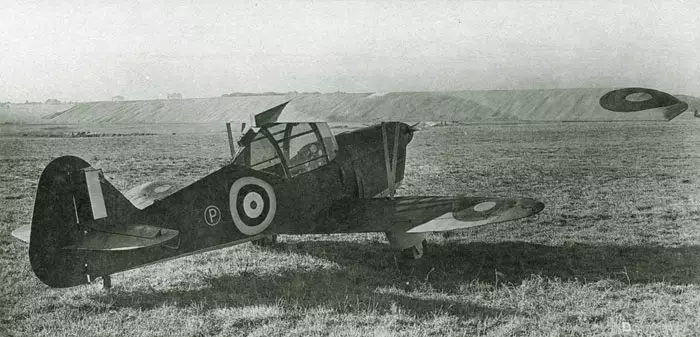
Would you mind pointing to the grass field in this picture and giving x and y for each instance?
(616, 252)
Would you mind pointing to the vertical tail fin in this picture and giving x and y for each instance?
(70, 196)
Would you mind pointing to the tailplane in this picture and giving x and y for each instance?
(76, 212)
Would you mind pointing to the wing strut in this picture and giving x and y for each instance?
(390, 163)
(231, 144)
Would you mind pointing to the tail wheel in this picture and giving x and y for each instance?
(416, 252)
(266, 241)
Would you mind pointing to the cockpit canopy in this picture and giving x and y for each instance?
(287, 149)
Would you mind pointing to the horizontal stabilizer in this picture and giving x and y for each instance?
(141, 231)
(425, 214)
(23, 233)
(124, 238)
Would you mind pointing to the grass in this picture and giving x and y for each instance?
(614, 253)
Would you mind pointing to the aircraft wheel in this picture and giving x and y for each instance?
(266, 241)
(416, 252)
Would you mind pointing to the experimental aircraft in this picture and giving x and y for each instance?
(285, 178)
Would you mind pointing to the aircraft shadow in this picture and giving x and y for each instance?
(344, 291)
(371, 278)
(453, 263)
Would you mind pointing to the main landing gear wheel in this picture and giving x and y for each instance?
(266, 241)
(416, 252)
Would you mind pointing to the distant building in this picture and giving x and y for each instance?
(117, 98)
(52, 101)
(175, 95)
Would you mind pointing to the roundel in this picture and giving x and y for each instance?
(638, 99)
(484, 206)
(253, 204)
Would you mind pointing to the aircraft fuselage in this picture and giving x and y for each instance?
(232, 205)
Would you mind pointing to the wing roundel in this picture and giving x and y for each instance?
(253, 205)
(641, 99)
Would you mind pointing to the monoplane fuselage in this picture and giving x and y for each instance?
(232, 205)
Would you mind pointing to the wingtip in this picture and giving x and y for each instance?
(643, 99)
(538, 207)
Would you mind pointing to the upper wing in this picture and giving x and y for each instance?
(658, 104)
(474, 106)
(423, 214)
(145, 194)
(588, 104)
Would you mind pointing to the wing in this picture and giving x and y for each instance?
(474, 106)
(652, 102)
(145, 194)
(424, 214)
(592, 104)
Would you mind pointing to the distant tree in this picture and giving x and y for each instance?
(52, 101)
(117, 98)
(175, 95)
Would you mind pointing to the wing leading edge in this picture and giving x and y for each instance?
(425, 214)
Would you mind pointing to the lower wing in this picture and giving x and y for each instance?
(424, 214)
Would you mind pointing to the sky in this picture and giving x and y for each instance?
(92, 50)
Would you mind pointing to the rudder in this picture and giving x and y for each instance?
(63, 208)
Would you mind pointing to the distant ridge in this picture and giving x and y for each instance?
(461, 106)
(693, 105)
(193, 110)
(29, 113)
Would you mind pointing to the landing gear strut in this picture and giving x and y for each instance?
(411, 246)
(106, 282)
(416, 252)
